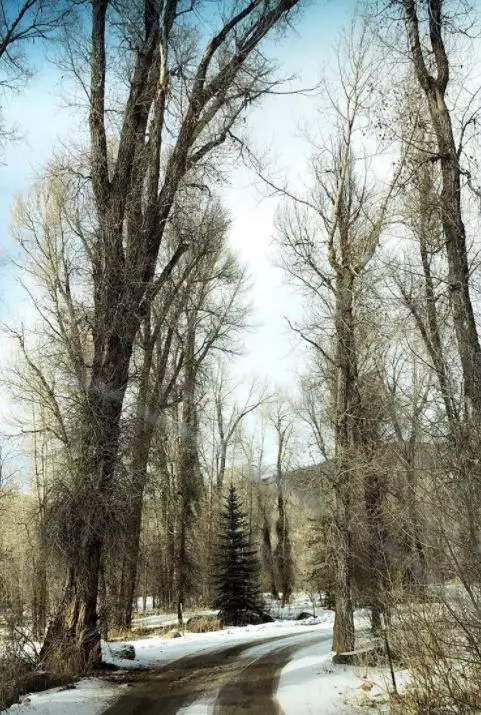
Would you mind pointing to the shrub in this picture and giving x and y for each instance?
(205, 625)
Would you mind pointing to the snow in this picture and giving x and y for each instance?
(310, 680)
(88, 697)
(92, 696)
(205, 704)
(156, 651)
(309, 683)
(301, 603)
(167, 619)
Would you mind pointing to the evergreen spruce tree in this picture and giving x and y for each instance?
(237, 579)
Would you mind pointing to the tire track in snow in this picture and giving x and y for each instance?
(192, 681)
(253, 688)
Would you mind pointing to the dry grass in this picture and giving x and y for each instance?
(124, 634)
(205, 625)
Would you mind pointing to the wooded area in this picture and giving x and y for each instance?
(133, 426)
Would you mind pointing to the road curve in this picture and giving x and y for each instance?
(245, 678)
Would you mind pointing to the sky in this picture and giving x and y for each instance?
(43, 122)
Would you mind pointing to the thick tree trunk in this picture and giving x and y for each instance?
(343, 635)
(455, 235)
(189, 476)
(129, 568)
(72, 642)
(347, 410)
(417, 547)
(73, 635)
(378, 567)
(267, 555)
(284, 552)
(141, 445)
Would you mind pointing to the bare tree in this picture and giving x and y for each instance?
(229, 420)
(135, 186)
(352, 214)
(427, 21)
(282, 423)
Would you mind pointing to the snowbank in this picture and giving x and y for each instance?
(88, 697)
(310, 683)
(157, 651)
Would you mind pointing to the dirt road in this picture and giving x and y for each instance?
(239, 679)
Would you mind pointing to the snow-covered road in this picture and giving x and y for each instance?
(276, 668)
(228, 681)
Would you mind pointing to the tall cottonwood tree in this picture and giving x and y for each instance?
(425, 290)
(328, 240)
(136, 176)
(426, 26)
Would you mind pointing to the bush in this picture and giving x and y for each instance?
(20, 683)
(440, 644)
(12, 671)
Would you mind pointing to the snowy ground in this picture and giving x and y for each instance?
(311, 684)
(157, 651)
(308, 684)
(303, 603)
(89, 697)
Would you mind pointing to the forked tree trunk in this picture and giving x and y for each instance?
(72, 642)
(434, 88)
(134, 194)
(433, 75)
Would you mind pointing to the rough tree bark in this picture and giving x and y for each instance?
(155, 388)
(267, 554)
(347, 406)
